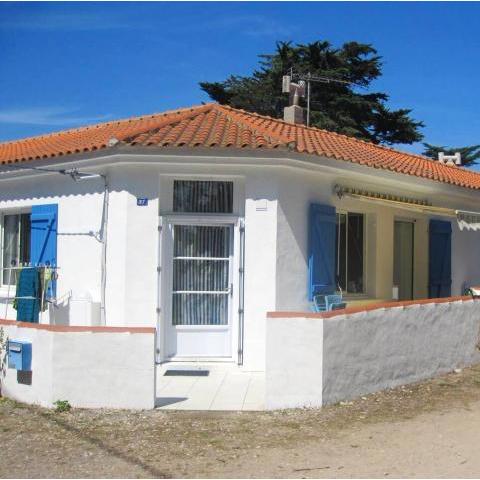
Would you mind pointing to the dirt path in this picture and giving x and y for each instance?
(427, 430)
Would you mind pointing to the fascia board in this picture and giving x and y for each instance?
(341, 170)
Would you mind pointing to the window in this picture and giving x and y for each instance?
(349, 252)
(202, 196)
(16, 244)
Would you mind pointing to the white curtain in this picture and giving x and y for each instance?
(202, 196)
(200, 275)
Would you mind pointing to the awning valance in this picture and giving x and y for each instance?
(466, 220)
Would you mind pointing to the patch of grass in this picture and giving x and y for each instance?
(62, 406)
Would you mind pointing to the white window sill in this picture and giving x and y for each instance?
(357, 296)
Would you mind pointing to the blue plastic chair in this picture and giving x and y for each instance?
(319, 304)
(333, 302)
(326, 302)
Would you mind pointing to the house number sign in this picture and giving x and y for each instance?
(142, 202)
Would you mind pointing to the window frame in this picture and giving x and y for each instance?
(365, 252)
(3, 214)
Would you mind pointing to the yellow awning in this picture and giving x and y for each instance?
(466, 219)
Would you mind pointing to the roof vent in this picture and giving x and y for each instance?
(293, 113)
(112, 142)
(450, 160)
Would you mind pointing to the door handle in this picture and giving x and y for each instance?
(229, 289)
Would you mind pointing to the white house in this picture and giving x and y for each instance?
(198, 222)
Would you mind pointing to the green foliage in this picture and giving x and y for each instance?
(62, 406)
(470, 155)
(335, 107)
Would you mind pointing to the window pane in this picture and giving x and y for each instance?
(202, 196)
(25, 238)
(355, 253)
(16, 244)
(340, 253)
(10, 247)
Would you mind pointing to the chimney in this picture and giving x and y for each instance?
(294, 112)
(450, 160)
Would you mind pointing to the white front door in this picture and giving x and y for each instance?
(198, 310)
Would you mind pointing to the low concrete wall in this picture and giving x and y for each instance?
(360, 352)
(91, 367)
(294, 358)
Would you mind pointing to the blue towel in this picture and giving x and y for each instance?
(28, 286)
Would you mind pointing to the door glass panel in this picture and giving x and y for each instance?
(403, 259)
(200, 275)
(349, 253)
(201, 241)
(355, 253)
(201, 266)
(341, 249)
(200, 309)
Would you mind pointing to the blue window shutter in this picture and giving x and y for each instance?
(43, 238)
(440, 259)
(321, 250)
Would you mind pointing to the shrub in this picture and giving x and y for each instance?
(62, 406)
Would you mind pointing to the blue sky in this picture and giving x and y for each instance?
(68, 64)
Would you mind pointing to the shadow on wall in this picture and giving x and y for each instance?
(60, 313)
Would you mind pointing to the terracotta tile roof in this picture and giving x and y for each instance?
(219, 126)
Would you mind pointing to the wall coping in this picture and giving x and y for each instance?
(368, 308)
(76, 329)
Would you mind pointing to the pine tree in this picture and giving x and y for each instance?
(336, 107)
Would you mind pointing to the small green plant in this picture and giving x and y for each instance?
(62, 406)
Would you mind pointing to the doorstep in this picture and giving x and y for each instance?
(209, 386)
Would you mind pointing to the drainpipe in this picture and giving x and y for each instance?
(103, 238)
(79, 176)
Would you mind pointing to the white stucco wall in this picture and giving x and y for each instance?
(274, 202)
(78, 253)
(298, 189)
(132, 252)
(101, 368)
(384, 348)
(294, 363)
(313, 361)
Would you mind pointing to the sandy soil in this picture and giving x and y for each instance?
(426, 430)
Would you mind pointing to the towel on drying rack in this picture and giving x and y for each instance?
(28, 285)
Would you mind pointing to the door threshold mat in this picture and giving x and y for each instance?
(186, 373)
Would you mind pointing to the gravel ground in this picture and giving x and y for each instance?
(425, 430)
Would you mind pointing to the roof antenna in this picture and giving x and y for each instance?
(298, 88)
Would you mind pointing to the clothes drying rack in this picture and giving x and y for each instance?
(14, 270)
